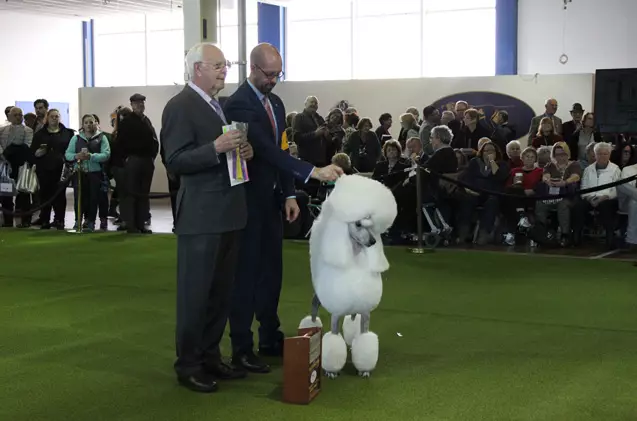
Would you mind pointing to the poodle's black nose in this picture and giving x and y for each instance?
(371, 242)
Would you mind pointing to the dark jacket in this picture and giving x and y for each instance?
(395, 177)
(137, 137)
(312, 148)
(56, 145)
(363, 152)
(479, 180)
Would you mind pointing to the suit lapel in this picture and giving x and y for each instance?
(203, 104)
(261, 109)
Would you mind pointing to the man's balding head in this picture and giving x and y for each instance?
(266, 67)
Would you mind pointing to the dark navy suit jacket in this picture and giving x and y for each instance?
(271, 166)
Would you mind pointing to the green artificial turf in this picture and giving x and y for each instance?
(87, 333)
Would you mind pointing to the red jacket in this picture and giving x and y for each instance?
(530, 180)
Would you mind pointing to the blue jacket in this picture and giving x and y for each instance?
(98, 147)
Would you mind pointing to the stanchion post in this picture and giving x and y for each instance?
(79, 197)
(419, 249)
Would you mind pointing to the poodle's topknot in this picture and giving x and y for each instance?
(356, 197)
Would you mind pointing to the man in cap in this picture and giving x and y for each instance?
(575, 124)
(139, 146)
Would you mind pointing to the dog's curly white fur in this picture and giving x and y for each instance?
(347, 260)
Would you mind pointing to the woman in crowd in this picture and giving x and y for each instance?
(117, 165)
(560, 176)
(486, 172)
(49, 146)
(514, 150)
(336, 133)
(363, 147)
(546, 134)
(89, 149)
(462, 159)
(522, 182)
(623, 155)
(582, 137)
(543, 156)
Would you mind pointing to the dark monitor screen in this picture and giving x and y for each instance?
(616, 100)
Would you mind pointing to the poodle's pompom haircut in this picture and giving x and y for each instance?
(356, 197)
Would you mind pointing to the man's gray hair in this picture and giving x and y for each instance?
(443, 133)
(602, 145)
(510, 144)
(195, 55)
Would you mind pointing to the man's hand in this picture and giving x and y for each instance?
(322, 131)
(329, 173)
(246, 151)
(228, 141)
(41, 151)
(292, 210)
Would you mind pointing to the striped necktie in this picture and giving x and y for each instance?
(218, 110)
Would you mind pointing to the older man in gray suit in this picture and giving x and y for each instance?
(550, 107)
(210, 216)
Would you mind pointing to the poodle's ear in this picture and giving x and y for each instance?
(376, 260)
(336, 244)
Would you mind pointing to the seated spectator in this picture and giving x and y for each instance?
(471, 133)
(447, 117)
(414, 151)
(385, 121)
(560, 176)
(342, 160)
(402, 138)
(390, 169)
(582, 137)
(363, 147)
(627, 198)
(590, 156)
(410, 125)
(522, 182)
(503, 132)
(336, 134)
(350, 121)
(546, 134)
(513, 150)
(604, 201)
(623, 155)
(543, 156)
(486, 172)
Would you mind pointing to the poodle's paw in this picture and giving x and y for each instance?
(365, 352)
(351, 328)
(334, 353)
(330, 375)
(364, 374)
(307, 322)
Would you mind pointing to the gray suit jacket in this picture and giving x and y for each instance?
(535, 125)
(206, 204)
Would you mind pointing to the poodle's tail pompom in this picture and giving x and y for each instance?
(307, 322)
(334, 352)
(365, 352)
(351, 328)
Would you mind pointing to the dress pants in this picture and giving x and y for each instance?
(119, 174)
(206, 265)
(259, 276)
(51, 189)
(173, 188)
(22, 206)
(139, 177)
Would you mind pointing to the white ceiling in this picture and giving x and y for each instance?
(88, 8)
(95, 8)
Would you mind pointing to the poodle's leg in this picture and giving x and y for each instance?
(351, 328)
(365, 349)
(313, 320)
(334, 350)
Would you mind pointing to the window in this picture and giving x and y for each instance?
(318, 10)
(387, 47)
(449, 52)
(229, 43)
(307, 43)
(120, 60)
(380, 8)
(165, 59)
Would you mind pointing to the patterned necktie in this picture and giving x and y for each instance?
(268, 109)
(218, 110)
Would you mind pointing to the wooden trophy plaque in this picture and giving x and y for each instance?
(302, 366)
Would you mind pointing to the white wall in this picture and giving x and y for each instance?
(371, 97)
(598, 35)
(41, 57)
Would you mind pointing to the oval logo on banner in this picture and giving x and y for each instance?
(488, 103)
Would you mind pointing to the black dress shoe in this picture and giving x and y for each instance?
(250, 362)
(223, 371)
(145, 231)
(199, 382)
(271, 351)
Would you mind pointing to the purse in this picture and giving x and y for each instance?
(27, 179)
(7, 185)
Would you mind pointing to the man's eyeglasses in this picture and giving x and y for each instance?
(277, 76)
(218, 66)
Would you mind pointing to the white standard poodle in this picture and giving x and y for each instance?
(347, 260)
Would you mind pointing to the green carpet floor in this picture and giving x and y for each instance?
(87, 328)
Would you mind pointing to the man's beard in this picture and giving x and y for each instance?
(268, 87)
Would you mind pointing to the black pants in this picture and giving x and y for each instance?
(173, 188)
(103, 198)
(139, 177)
(468, 206)
(607, 217)
(51, 189)
(206, 267)
(22, 206)
(258, 283)
(119, 174)
(91, 183)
